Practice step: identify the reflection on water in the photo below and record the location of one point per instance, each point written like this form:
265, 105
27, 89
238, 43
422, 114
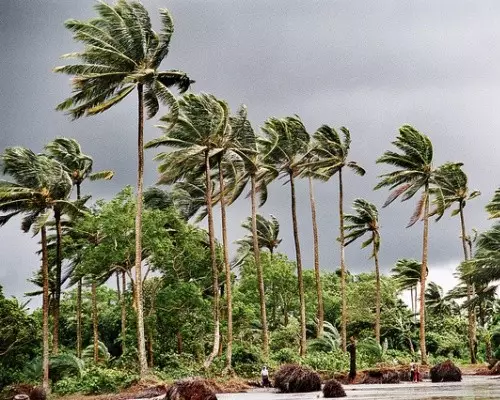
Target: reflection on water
472, 387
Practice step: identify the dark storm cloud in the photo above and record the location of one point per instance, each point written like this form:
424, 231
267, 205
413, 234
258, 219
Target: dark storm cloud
370, 66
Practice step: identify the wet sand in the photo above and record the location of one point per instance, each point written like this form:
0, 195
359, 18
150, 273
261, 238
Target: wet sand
472, 387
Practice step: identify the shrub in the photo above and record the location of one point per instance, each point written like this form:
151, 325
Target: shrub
286, 356
332, 361
247, 360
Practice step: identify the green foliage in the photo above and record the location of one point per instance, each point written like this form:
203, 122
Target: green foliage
247, 360
335, 361
286, 356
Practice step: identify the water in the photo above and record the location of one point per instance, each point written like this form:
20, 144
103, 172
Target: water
472, 387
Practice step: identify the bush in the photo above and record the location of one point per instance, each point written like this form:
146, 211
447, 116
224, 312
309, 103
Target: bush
332, 362
247, 360
96, 380
286, 356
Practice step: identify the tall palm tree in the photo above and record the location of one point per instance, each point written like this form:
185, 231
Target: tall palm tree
79, 166
38, 184
283, 145
267, 232
413, 172
493, 207
330, 156
365, 221
408, 274
122, 52
438, 302
451, 188
486, 261
202, 119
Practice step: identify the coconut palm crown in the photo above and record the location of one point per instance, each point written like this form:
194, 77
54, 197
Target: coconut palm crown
493, 207
267, 232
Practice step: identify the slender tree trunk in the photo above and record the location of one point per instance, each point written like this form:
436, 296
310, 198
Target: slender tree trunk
45, 308
319, 292
150, 348
416, 301
260, 275
412, 303
141, 342
179, 342
377, 279
213, 257
78, 301
79, 319
227, 268
411, 346
118, 292
423, 273
299, 269
470, 311
57, 294
95, 325
343, 293
124, 311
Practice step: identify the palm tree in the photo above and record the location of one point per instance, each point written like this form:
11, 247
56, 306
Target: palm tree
267, 232
283, 145
451, 188
413, 172
38, 184
366, 221
202, 119
438, 302
330, 156
122, 52
79, 166
408, 274
493, 207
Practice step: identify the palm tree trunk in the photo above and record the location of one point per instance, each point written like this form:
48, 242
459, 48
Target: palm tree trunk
141, 342
412, 303
416, 301
213, 257
95, 321
57, 294
45, 308
79, 319
227, 268
377, 280
78, 301
260, 275
179, 342
299, 269
342, 265
150, 348
319, 292
470, 312
124, 311
423, 273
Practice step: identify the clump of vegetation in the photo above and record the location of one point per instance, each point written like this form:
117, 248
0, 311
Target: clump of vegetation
446, 372
293, 378
333, 388
191, 388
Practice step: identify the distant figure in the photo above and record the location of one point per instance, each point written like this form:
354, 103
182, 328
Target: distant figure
265, 377
351, 348
412, 371
416, 374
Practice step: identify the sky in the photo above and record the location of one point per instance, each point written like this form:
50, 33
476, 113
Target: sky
370, 66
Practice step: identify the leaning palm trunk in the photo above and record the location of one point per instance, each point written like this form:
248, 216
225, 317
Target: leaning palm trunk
57, 297
471, 314
45, 308
79, 319
319, 292
342, 265
299, 269
95, 321
260, 275
423, 273
124, 311
213, 257
141, 341
377, 283
227, 269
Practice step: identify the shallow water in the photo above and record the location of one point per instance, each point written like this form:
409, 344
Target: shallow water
472, 387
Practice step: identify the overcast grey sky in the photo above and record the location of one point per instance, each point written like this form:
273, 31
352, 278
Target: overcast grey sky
368, 65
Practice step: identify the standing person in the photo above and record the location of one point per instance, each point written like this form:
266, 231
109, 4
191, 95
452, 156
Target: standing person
412, 371
265, 377
416, 374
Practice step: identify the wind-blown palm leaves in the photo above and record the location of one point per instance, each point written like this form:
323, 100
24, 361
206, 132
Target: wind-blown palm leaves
486, 261
365, 221
329, 157
413, 172
268, 231
451, 188
438, 302
79, 166
38, 184
200, 137
408, 273
493, 207
122, 52
283, 145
